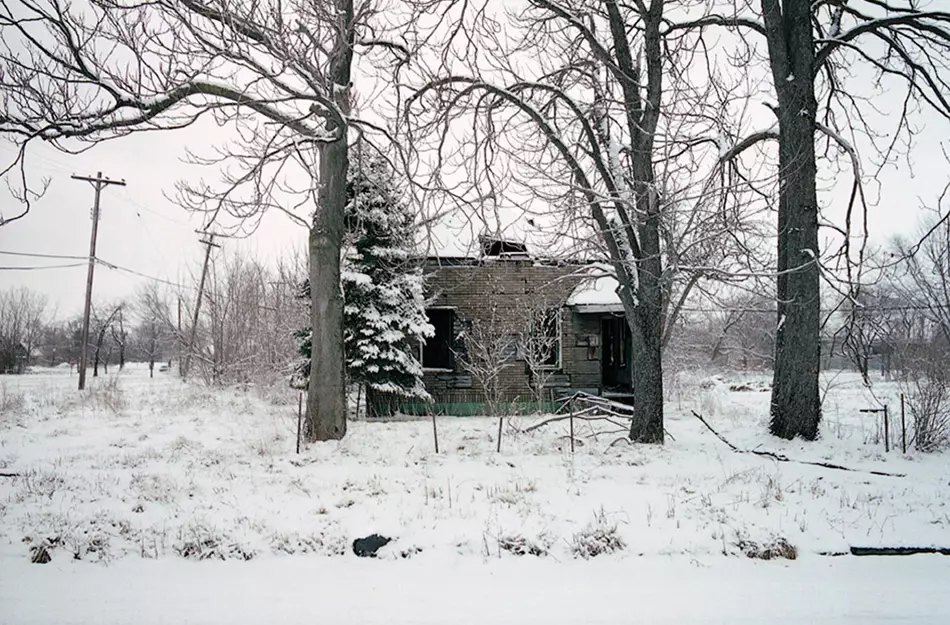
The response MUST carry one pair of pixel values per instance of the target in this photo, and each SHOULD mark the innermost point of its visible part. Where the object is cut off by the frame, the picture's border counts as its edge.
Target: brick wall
(511, 289)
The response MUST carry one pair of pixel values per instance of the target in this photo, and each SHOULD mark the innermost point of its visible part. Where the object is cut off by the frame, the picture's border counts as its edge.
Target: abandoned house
(514, 333)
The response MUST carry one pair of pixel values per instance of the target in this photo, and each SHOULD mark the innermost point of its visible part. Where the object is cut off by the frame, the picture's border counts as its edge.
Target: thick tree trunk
(647, 423)
(796, 407)
(326, 394)
(151, 353)
(644, 311)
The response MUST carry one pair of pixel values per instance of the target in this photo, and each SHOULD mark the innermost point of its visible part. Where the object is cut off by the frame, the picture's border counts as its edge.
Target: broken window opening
(545, 347)
(437, 349)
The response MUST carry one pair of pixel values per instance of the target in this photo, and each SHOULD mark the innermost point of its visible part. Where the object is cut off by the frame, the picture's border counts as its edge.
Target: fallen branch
(9, 475)
(566, 417)
(898, 551)
(783, 458)
(718, 435)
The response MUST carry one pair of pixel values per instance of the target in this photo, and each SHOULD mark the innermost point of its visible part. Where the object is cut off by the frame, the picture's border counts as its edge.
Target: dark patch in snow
(368, 546)
(408, 553)
(39, 554)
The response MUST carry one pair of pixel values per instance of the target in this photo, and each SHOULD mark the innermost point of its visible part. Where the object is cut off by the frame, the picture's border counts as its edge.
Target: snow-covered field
(129, 482)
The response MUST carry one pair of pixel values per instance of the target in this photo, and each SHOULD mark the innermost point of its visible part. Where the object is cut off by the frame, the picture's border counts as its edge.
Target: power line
(41, 267)
(37, 255)
(99, 261)
(109, 265)
(139, 205)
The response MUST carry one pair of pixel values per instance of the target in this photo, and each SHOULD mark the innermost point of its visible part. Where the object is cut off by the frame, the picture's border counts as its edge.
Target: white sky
(139, 228)
(143, 231)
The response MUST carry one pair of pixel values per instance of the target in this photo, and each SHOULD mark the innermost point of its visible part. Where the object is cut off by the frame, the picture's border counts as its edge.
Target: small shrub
(521, 546)
(772, 549)
(513, 493)
(929, 402)
(94, 547)
(153, 487)
(328, 541)
(201, 543)
(38, 483)
(405, 554)
(108, 396)
(39, 554)
(11, 404)
(212, 549)
(598, 538)
(85, 539)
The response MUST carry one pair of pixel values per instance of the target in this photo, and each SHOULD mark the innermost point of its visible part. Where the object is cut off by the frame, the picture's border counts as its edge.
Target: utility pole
(98, 183)
(209, 242)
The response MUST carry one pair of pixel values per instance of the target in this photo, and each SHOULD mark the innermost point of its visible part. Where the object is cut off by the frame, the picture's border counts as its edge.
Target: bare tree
(22, 312)
(120, 337)
(57, 343)
(819, 54)
(149, 339)
(489, 346)
(156, 332)
(742, 332)
(538, 343)
(277, 72)
(245, 331)
(159, 305)
(868, 329)
(101, 321)
(587, 114)
(922, 282)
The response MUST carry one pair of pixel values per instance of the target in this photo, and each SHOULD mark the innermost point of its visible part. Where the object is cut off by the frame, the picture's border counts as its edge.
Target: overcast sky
(144, 232)
(139, 229)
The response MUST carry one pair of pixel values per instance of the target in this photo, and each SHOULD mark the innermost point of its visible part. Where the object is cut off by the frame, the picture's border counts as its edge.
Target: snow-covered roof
(596, 294)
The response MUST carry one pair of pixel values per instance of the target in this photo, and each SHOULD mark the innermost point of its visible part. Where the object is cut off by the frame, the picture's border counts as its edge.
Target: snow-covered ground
(311, 589)
(131, 483)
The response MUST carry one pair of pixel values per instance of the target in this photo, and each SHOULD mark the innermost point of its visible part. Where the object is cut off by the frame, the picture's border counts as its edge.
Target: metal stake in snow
(299, 418)
(903, 428)
(572, 424)
(887, 427)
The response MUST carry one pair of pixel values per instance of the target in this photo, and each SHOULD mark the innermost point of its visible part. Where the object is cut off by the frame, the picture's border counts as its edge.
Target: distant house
(517, 330)
(13, 357)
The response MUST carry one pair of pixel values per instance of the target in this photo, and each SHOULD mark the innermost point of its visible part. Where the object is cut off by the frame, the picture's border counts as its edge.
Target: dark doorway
(437, 349)
(615, 350)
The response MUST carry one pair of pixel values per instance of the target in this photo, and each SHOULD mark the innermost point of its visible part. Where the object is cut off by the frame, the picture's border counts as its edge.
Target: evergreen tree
(384, 309)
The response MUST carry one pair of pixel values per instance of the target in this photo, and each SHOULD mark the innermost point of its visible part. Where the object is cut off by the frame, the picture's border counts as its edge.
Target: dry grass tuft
(598, 538)
(773, 549)
(521, 546)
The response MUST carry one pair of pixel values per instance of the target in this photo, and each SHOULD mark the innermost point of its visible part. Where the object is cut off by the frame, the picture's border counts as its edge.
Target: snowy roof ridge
(599, 289)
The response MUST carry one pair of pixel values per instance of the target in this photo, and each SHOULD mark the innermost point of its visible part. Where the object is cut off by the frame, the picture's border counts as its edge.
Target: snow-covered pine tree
(384, 307)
